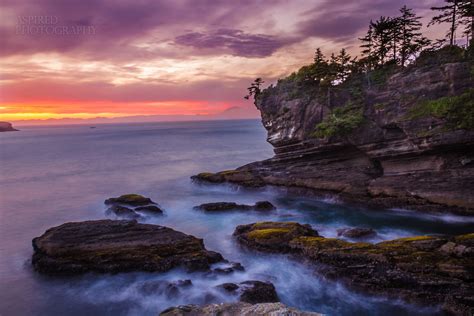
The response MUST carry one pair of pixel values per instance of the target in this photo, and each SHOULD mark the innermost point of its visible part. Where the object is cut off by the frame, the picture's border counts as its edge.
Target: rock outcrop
(396, 149)
(423, 269)
(356, 233)
(132, 205)
(7, 127)
(236, 309)
(108, 246)
(252, 291)
(232, 206)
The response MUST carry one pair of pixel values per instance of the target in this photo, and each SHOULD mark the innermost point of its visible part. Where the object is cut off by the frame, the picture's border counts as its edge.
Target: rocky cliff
(393, 137)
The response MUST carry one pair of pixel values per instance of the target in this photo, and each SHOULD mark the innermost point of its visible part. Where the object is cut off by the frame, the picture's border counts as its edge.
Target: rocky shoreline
(422, 269)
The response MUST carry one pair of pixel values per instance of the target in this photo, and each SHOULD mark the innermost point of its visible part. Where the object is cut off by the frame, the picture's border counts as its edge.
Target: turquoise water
(52, 175)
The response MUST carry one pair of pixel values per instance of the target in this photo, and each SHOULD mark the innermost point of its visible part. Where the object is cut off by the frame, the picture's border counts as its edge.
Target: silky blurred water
(51, 175)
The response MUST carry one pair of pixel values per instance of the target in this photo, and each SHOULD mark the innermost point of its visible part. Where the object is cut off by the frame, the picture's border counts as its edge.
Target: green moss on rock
(458, 111)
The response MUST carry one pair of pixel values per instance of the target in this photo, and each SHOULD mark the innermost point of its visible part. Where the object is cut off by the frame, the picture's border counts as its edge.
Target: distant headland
(7, 127)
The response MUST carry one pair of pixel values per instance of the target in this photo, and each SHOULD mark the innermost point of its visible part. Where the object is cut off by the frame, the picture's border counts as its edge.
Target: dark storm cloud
(234, 41)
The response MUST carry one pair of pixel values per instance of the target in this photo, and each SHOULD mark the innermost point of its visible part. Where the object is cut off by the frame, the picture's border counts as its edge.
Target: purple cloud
(234, 41)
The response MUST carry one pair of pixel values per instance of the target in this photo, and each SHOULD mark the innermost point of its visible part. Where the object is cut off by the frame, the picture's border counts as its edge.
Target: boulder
(264, 206)
(236, 309)
(130, 199)
(252, 291)
(421, 269)
(151, 209)
(258, 292)
(231, 206)
(108, 246)
(272, 236)
(357, 232)
(123, 211)
(227, 268)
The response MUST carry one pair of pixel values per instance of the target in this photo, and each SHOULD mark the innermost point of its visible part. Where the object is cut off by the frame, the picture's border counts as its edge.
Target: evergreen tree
(450, 13)
(254, 88)
(383, 30)
(411, 39)
(320, 66)
(319, 57)
(466, 9)
(343, 65)
(369, 58)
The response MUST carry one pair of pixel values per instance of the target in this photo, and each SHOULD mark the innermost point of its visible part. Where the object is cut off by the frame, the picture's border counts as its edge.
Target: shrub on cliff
(340, 122)
(458, 111)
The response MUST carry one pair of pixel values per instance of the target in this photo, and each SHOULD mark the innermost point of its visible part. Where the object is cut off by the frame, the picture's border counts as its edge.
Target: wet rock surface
(272, 236)
(131, 205)
(227, 267)
(232, 206)
(150, 209)
(108, 246)
(123, 211)
(252, 291)
(236, 309)
(424, 269)
(356, 233)
(130, 199)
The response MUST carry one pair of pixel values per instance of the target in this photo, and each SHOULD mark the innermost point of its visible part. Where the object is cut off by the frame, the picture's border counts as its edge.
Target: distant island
(7, 127)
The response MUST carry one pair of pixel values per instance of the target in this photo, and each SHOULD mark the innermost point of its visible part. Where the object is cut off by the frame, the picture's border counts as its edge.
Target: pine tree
(369, 58)
(411, 39)
(319, 57)
(450, 13)
(382, 38)
(466, 9)
(320, 66)
(254, 88)
(343, 64)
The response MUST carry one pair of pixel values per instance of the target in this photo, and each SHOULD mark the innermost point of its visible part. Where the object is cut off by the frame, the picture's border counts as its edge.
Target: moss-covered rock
(422, 269)
(108, 246)
(242, 177)
(272, 236)
(130, 199)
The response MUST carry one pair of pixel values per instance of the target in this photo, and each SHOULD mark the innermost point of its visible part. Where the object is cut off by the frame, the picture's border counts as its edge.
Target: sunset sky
(82, 59)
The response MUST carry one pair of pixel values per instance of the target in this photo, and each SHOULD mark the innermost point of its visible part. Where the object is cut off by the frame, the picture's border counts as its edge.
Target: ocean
(50, 175)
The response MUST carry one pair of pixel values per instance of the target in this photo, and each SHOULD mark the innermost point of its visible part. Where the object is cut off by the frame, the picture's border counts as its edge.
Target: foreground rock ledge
(235, 309)
(110, 246)
(423, 269)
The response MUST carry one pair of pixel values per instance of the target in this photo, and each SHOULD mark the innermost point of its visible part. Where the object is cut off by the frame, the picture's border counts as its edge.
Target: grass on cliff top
(458, 111)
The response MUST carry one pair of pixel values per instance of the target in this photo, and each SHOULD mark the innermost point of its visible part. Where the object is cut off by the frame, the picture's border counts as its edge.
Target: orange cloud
(61, 110)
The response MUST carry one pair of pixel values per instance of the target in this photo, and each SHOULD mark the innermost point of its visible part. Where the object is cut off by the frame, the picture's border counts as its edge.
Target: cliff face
(409, 141)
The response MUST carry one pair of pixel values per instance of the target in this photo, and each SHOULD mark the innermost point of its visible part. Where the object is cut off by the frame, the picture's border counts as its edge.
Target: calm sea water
(52, 175)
